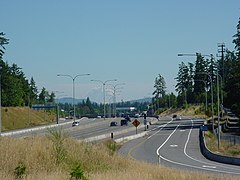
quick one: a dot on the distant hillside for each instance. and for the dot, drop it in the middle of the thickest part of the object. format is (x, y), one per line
(143, 100)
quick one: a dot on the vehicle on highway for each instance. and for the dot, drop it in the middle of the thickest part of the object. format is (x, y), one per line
(124, 122)
(113, 123)
(178, 118)
(136, 116)
(75, 123)
(174, 116)
(128, 118)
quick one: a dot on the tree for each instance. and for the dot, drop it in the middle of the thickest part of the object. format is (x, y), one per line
(236, 39)
(233, 84)
(159, 92)
(3, 41)
(33, 92)
(199, 78)
(42, 96)
(184, 83)
(160, 87)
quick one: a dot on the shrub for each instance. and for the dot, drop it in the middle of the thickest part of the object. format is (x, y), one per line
(57, 136)
(78, 173)
(20, 170)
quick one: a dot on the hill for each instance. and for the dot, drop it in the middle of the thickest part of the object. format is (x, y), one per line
(23, 117)
(195, 111)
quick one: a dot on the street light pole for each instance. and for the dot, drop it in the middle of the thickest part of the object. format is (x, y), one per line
(104, 95)
(73, 79)
(114, 95)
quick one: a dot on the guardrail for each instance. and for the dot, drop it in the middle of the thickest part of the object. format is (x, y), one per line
(215, 157)
(33, 129)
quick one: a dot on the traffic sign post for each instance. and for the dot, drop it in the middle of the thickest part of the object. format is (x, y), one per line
(136, 124)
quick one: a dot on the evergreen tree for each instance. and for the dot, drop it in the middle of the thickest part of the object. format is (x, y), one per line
(33, 93)
(3, 41)
(160, 91)
(236, 39)
(200, 75)
(42, 96)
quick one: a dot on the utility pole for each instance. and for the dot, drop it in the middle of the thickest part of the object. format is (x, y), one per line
(221, 50)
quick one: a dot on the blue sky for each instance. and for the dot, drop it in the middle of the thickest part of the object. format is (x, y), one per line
(129, 40)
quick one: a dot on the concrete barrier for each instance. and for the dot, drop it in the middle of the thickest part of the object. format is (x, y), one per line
(33, 129)
(215, 157)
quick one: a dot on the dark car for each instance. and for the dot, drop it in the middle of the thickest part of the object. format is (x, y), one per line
(124, 122)
(128, 118)
(174, 116)
(113, 123)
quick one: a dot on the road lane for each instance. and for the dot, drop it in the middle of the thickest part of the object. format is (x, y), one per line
(177, 145)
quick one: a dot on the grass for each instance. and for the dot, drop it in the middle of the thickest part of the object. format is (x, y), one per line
(36, 158)
(57, 156)
(196, 111)
(226, 148)
(23, 117)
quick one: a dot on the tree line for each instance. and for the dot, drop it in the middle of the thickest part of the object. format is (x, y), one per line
(16, 89)
(196, 82)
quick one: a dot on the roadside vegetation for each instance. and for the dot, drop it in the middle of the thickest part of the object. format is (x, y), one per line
(59, 157)
(226, 148)
(23, 117)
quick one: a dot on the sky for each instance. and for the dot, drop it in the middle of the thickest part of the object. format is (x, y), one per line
(129, 40)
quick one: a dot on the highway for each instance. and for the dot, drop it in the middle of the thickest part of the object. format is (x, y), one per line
(92, 129)
(175, 143)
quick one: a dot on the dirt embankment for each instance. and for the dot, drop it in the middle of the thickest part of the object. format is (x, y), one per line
(194, 111)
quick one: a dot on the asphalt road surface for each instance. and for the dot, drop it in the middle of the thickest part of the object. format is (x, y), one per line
(175, 143)
(89, 128)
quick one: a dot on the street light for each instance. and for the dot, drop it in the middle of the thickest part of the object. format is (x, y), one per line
(104, 98)
(73, 79)
(57, 106)
(114, 95)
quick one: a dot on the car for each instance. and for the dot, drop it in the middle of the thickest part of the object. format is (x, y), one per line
(128, 118)
(136, 116)
(75, 123)
(178, 118)
(124, 122)
(174, 116)
(113, 123)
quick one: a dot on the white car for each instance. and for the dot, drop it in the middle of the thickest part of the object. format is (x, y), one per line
(75, 123)
(178, 118)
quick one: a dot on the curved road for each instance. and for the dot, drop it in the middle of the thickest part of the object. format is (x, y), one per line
(175, 143)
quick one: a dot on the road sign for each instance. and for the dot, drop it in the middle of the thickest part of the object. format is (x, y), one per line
(136, 123)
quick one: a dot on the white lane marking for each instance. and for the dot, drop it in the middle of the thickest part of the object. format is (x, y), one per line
(162, 126)
(187, 165)
(209, 166)
(174, 145)
(203, 162)
(158, 150)
(182, 130)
